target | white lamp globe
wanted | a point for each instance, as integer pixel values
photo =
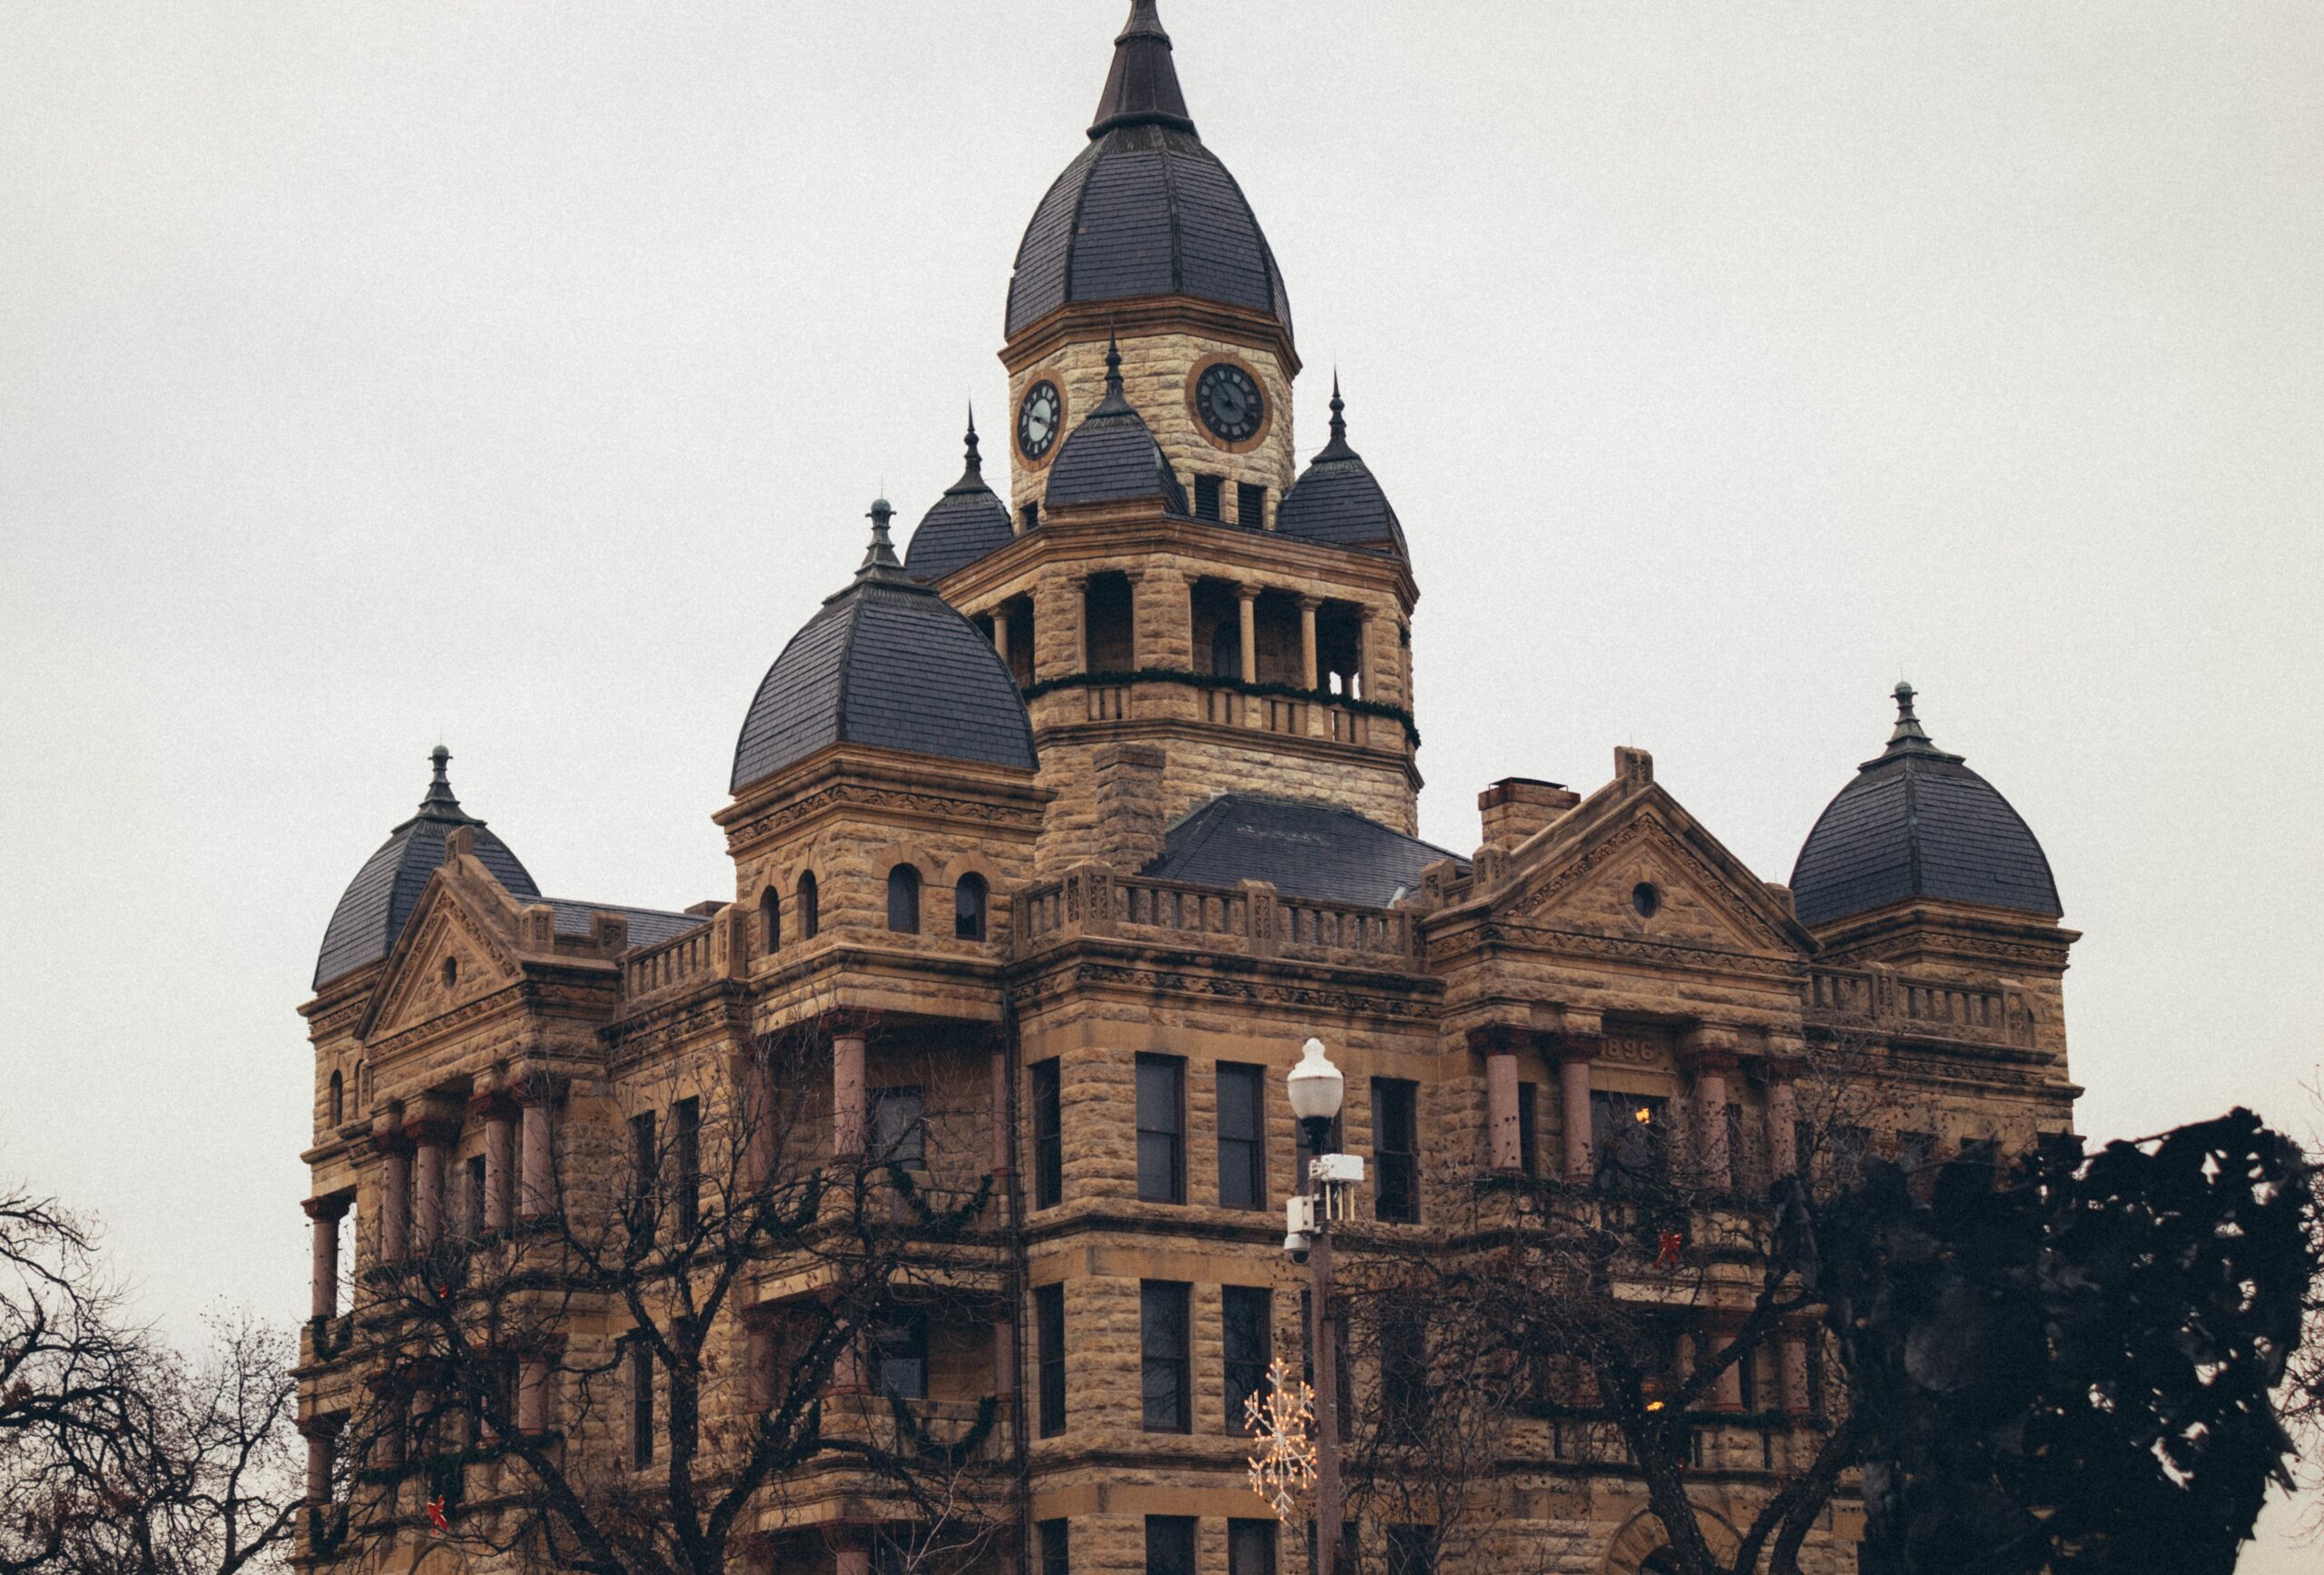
(1316, 1086)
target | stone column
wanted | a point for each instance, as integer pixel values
(758, 1358)
(1077, 633)
(326, 1213)
(317, 1433)
(1708, 1056)
(499, 1165)
(1574, 1050)
(1366, 621)
(1248, 597)
(1001, 633)
(1504, 1134)
(532, 1396)
(1727, 1389)
(1783, 1119)
(430, 1141)
(539, 1196)
(394, 1202)
(847, 1095)
(1791, 1356)
(1310, 678)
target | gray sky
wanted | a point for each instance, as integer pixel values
(519, 375)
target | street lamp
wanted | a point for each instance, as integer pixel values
(1317, 1088)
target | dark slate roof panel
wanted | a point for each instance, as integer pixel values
(1109, 458)
(647, 926)
(889, 664)
(1337, 502)
(1304, 850)
(1918, 824)
(964, 526)
(377, 903)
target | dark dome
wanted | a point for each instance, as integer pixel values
(1112, 457)
(370, 916)
(888, 664)
(1918, 824)
(967, 523)
(1145, 209)
(1337, 502)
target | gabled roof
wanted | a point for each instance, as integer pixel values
(888, 664)
(1918, 823)
(1304, 850)
(379, 902)
(967, 522)
(1145, 209)
(1337, 502)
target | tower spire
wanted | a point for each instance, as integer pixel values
(880, 560)
(1142, 86)
(976, 460)
(438, 804)
(1117, 399)
(1337, 447)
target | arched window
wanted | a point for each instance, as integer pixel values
(903, 899)
(968, 908)
(811, 915)
(770, 920)
(337, 1098)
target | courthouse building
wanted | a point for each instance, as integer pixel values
(1087, 808)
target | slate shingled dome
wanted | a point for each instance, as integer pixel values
(1112, 457)
(1918, 824)
(1145, 209)
(967, 522)
(887, 664)
(1336, 501)
(370, 916)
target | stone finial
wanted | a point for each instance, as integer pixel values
(1634, 767)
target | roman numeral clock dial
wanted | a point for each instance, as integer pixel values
(1228, 399)
(1038, 419)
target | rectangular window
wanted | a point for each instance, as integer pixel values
(1251, 506)
(1247, 1339)
(900, 1354)
(1403, 1377)
(1031, 515)
(1917, 1154)
(1395, 1150)
(1206, 498)
(1161, 1129)
(686, 1151)
(899, 1127)
(1056, 1554)
(645, 1171)
(472, 1198)
(1169, 1545)
(641, 1401)
(1048, 1137)
(1250, 1548)
(1049, 1355)
(1630, 1139)
(1342, 1364)
(1528, 1129)
(1242, 1151)
(1411, 1551)
(1164, 1357)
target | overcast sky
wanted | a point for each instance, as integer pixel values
(517, 376)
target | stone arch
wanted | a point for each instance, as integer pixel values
(1642, 1535)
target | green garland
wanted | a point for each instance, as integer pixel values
(960, 1451)
(1034, 690)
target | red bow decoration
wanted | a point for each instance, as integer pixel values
(435, 1514)
(1673, 1244)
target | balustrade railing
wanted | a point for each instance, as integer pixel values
(1252, 919)
(1879, 995)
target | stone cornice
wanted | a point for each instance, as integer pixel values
(844, 777)
(1139, 317)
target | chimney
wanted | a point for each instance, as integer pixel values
(1130, 805)
(1516, 807)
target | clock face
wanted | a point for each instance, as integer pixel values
(1039, 419)
(1230, 402)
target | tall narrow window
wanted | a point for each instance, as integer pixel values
(1242, 1155)
(903, 899)
(1169, 1545)
(1049, 1355)
(771, 920)
(1030, 515)
(1056, 1557)
(1161, 1129)
(1048, 1137)
(1207, 496)
(1250, 1548)
(472, 1198)
(1164, 1360)
(811, 907)
(1251, 505)
(899, 1127)
(641, 1401)
(1411, 1551)
(1630, 1139)
(1403, 1376)
(1246, 1338)
(645, 1175)
(1396, 1149)
(685, 1154)
(338, 1106)
(900, 1354)
(969, 902)
(1528, 1129)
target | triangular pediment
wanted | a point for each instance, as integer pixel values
(1585, 873)
(459, 947)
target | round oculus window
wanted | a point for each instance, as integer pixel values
(1039, 417)
(1228, 399)
(1646, 899)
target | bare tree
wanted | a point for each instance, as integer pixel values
(685, 1405)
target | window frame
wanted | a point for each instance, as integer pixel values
(1247, 1162)
(1166, 1350)
(1528, 1128)
(1241, 1533)
(641, 1401)
(1210, 498)
(1250, 1369)
(1049, 1133)
(1170, 1141)
(1396, 1117)
(646, 1177)
(900, 1336)
(971, 907)
(686, 1158)
(908, 1145)
(1245, 515)
(1049, 1358)
(904, 885)
(1055, 1538)
(811, 905)
(1170, 1545)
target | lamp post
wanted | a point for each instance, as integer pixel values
(1317, 1088)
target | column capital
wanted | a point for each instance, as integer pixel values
(1780, 1066)
(1498, 1038)
(1308, 603)
(1247, 591)
(1571, 1045)
(334, 1206)
(538, 1086)
(1710, 1048)
(493, 1103)
(429, 1128)
(323, 1427)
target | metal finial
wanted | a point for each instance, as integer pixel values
(880, 560)
(1339, 420)
(1113, 363)
(1908, 727)
(438, 800)
(976, 460)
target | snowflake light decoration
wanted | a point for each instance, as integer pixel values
(1283, 1465)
